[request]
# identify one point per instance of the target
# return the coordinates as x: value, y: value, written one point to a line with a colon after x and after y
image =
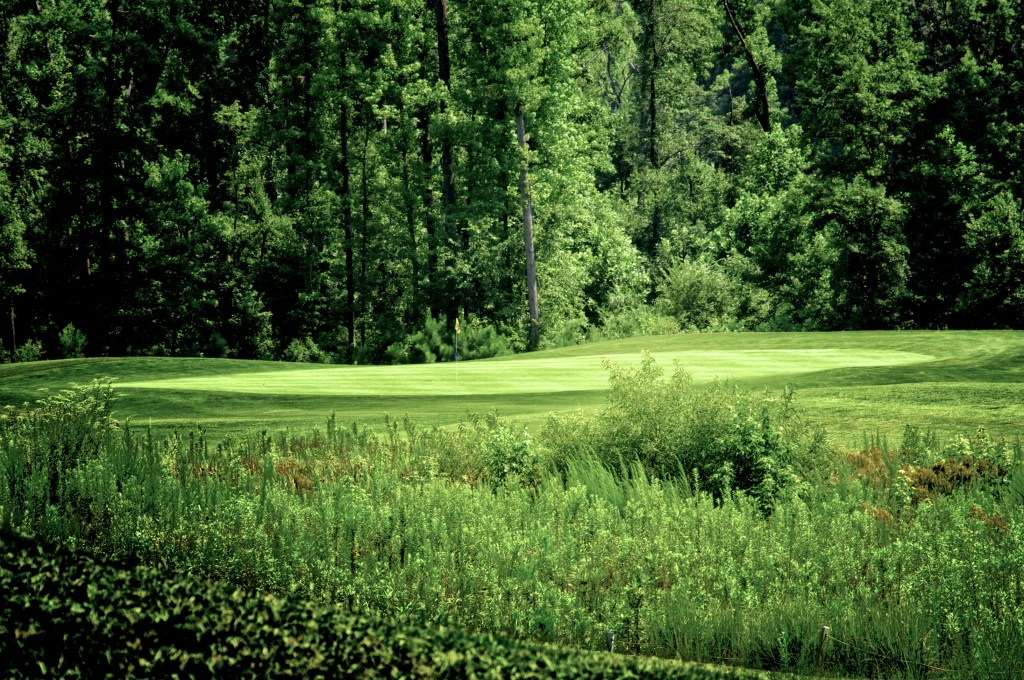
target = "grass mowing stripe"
x: 530, y: 375
x: 851, y: 381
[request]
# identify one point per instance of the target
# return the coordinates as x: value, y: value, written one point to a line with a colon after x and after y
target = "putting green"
x: 851, y: 382
x: 526, y: 376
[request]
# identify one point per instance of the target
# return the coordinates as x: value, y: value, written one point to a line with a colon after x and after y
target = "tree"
x: 994, y: 294
x: 14, y: 254
x: 861, y: 88
x: 869, y: 276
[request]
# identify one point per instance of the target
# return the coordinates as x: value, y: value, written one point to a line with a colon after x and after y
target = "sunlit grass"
x: 850, y: 382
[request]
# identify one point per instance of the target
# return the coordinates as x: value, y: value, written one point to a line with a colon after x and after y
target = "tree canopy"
x: 331, y: 179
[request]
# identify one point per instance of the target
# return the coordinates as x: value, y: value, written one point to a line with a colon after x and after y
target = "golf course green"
x: 853, y: 383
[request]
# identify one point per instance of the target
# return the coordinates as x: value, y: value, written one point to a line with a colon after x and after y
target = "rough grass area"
x: 853, y: 382
x: 696, y: 521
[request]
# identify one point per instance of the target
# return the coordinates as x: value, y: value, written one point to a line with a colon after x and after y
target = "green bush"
x: 716, y: 436
x: 71, y: 342
x: 32, y: 350
x: 41, y: 446
x: 436, y: 342
x: 306, y: 351
x: 512, y: 458
x: 632, y: 322
x: 70, y: 613
x: 699, y: 294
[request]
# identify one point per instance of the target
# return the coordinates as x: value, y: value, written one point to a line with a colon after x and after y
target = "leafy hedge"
x: 69, y: 613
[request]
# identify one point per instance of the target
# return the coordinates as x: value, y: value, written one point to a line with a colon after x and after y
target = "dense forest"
x: 338, y: 180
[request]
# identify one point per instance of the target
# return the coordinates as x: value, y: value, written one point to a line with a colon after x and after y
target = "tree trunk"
x: 346, y: 202
x: 760, y: 82
x: 441, y: 302
x: 14, y: 339
x: 648, y: 120
x: 410, y: 221
x: 531, y: 267
x: 429, y: 218
x: 365, y: 191
x: 346, y: 217
x: 444, y: 72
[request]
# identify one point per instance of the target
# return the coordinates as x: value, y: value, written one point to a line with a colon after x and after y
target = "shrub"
x: 71, y: 342
x: 512, y: 458
x: 72, y: 613
x: 306, y: 351
x: 632, y: 322
x: 436, y: 342
x: 716, y: 436
x: 32, y: 350
x: 39, y: 446
x: 699, y: 294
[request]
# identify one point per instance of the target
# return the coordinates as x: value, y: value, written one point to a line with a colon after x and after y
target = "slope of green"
x: 852, y: 382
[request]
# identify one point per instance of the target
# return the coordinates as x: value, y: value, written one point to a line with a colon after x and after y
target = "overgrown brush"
x: 714, y: 437
x: 469, y: 527
x: 69, y: 614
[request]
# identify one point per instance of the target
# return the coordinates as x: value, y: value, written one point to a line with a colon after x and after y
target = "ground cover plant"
x: 909, y: 553
x: 72, y: 614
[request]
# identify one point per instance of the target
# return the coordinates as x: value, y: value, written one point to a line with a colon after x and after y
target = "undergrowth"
x: 560, y: 538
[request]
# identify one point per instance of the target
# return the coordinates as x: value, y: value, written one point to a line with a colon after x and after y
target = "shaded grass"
x: 852, y: 382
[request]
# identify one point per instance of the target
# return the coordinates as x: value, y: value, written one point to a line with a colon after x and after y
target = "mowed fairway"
x: 853, y: 383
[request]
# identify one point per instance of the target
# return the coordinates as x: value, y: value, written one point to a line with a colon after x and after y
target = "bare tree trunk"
x: 365, y: 190
x: 429, y: 218
x: 346, y: 218
x: 760, y: 82
x: 531, y: 267
x: 447, y: 304
x: 14, y: 338
x: 444, y: 72
x: 410, y: 221
x: 346, y: 204
x: 648, y: 119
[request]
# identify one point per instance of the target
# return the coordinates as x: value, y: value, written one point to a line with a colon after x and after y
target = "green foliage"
x: 306, y: 351
x: 699, y: 295
x: 432, y: 343
x: 639, y: 320
x: 512, y: 458
x: 359, y: 170
x: 869, y: 275
x: 861, y: 84
x: 994, y: 295
x: 43, y: 445
x: 716, y: 437
x: 436, y: 342
x: 96, y: 616
x: 401, y: 522
x: 32, y: 350
x: 71, y: 342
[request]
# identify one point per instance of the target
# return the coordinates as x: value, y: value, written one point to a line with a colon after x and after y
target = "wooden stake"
x: 825, y: 630
x: 14, y: 339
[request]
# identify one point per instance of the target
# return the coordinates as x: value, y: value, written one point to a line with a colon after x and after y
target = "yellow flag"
x: 457, y: 331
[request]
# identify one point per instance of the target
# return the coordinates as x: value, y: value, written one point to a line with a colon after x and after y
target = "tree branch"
x: 760, y: 83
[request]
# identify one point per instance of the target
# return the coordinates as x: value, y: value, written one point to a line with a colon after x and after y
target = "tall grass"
x: 471, y: 527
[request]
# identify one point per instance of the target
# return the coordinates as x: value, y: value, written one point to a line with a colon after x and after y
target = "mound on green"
x: 72, y: 614
x: 852, y: 382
